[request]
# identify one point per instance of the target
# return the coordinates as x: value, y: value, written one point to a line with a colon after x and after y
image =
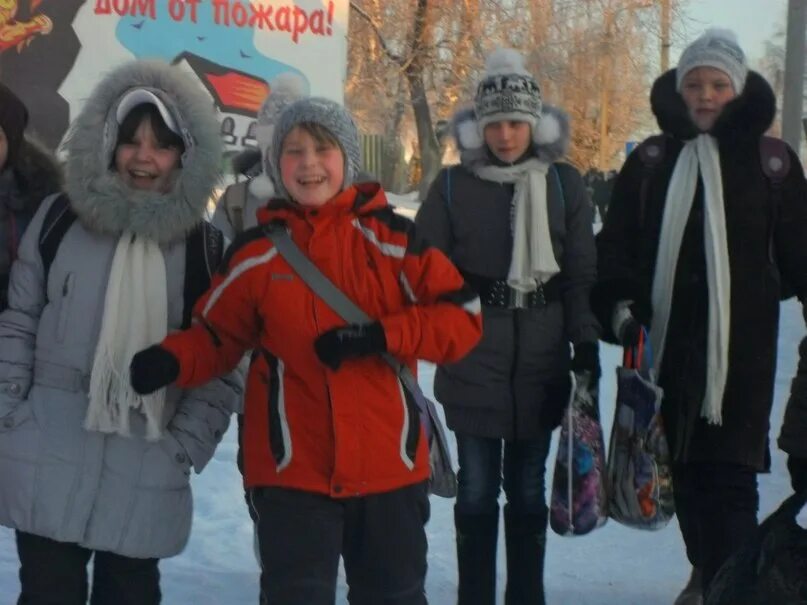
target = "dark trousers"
x: 482, y: 469
x: 381, y: 539
x: 55, y: 573
x: 716, y: 504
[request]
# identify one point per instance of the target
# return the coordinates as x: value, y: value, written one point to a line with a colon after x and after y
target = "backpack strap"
x: 556, y: 172
x: 651, y: 152
x: 235, y: 201
x: 775, y: 163
x: 59, y: 218
x: 204, y: 248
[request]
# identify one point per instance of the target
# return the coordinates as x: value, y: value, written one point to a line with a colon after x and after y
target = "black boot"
x: 476, y: 557
x: 525, y: 538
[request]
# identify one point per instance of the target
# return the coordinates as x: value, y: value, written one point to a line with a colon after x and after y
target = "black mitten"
x: 798, y: 473
x: 587, y: 358
x: 355, y: 340
x: 152, y: 369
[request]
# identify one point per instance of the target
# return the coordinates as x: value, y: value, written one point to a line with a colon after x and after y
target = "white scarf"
x: 700, y: 154
x: 135, y: 316
x: 533, y: 260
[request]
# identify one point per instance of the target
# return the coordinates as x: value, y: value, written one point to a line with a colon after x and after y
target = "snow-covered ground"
x: 614, y: 565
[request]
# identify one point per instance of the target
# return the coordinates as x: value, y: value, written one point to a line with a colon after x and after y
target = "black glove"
x: 587, y: 358
x: 152, y: 369
x: 355, y: 340
x: 798, y: 473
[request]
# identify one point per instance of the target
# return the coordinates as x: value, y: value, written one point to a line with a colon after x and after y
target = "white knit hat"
x: 716, y: 48
x: 284, y: 90
x: 507, y: 91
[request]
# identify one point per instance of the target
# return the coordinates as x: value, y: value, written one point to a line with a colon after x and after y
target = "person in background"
x: 517, y: 222
x: 697, y: 250
x: 237, y: 207
x: 96, y: 470
x: 28, y: 174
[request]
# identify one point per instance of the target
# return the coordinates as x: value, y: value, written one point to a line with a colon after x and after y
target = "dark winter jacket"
x: 34, y: 176
x: 627, y: 248
x: 514, y: 384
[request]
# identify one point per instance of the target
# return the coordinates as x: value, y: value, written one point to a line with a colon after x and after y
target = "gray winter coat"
x: 514, y: 384
x: 104, y: 491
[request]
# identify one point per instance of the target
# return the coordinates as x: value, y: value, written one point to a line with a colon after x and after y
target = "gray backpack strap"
x: 333, y: 296
x: 235, y: 201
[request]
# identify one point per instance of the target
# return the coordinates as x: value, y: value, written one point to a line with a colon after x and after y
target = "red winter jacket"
x: 348, y: 432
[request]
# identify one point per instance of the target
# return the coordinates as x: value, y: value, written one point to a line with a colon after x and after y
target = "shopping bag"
x: 770, y: 569
x: 579, y: 502
x: 639, y: 474
x: 443, y: 479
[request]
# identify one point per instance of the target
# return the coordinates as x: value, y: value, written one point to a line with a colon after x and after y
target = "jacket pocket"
x: 64, y: 306
x: 279, y: 434
x: 13, y: 415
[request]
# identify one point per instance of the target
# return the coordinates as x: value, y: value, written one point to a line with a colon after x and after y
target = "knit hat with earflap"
x: 331, y: 116
x: 507, y: 91
x: 284, y: 90
x: 13, y: 120
x: 716, y: 48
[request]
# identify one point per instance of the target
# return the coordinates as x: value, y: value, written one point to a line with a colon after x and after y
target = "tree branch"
x: 377, y: 29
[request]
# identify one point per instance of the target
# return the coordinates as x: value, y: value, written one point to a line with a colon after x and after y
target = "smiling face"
x: 508, y: 140
x: 312, y: 166
x: 706, y: 91
x: 147, y: 153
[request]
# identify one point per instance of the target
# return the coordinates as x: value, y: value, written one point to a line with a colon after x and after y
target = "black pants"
x: 381, y: 539
x: 716, y: 505
x: 55, y: 573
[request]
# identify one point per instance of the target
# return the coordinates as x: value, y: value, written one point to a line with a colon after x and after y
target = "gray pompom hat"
x: 331, y: 116
x: 716, y: 48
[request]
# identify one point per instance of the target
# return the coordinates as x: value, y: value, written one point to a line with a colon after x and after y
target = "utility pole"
x: 794, y: 73
x: 665, y: 35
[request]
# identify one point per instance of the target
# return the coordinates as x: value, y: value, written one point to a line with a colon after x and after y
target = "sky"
x: 754, y: 22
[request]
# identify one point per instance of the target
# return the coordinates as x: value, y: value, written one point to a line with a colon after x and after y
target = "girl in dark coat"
x: 696, y: 246
x: 518, y: 223
x: 27, y: 175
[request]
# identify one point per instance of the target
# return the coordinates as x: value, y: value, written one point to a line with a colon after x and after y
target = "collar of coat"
x: 550, y: 139
x: 358, y: 199
x: 749, y: 115
x: 101, y: 200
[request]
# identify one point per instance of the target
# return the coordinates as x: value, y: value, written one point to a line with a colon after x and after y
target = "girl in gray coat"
x: 87, y: 467
x: 518, y: 224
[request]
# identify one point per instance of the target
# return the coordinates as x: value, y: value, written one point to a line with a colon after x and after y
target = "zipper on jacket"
x: 64, y: 306
x: 516, y: 342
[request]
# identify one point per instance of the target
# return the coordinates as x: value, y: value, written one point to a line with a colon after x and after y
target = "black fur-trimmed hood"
x: 550, y: 138
x: 100, y: 199
x: 749, y: 115
x: 36, y: 175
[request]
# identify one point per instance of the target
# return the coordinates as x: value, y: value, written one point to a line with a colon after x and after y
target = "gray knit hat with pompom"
x: 330, y: 115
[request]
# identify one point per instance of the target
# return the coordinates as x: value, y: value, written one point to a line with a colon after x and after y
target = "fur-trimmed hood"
x: 749, y: 115
x: 36, y: 174
x: 550, y: 138
x: 100, y: 199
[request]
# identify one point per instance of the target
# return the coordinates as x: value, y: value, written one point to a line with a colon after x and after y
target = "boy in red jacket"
x: 335, y: 455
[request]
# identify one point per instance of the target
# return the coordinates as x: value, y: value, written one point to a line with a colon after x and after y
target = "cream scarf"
x: 135, y: 316
x: 698, y: 155
x: 533, y: 260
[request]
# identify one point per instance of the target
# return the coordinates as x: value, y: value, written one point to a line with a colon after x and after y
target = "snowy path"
x: 612, y: 566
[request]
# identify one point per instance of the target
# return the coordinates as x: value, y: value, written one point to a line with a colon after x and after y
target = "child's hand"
x: 356, y: 340
x: 152, y: 369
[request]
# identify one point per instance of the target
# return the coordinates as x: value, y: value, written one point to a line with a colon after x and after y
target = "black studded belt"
x: 496, y: 293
